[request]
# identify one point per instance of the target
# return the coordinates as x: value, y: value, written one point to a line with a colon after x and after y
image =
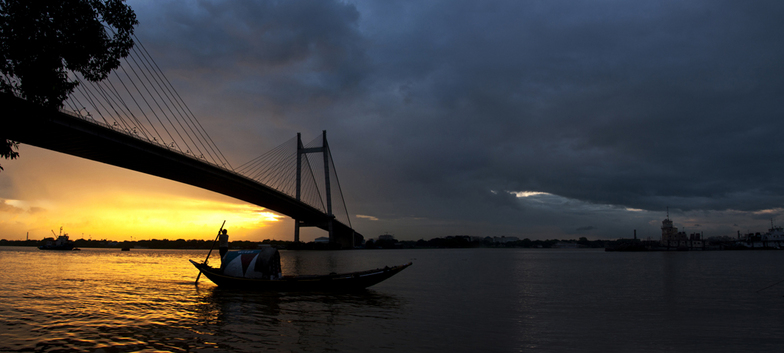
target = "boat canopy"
x: 263, y: 263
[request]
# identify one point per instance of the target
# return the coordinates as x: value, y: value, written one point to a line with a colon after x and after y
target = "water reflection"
x: 103, y: 300
x: 450, y: 300
x: 310, y: 263
x: 220, y: 306
x: 247, y: 320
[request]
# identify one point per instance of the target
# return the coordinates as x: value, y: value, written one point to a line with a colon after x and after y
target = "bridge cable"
x: 96, y: 98
x: 163, y: 98
x: 128, y: 111
x: 337, y: 182
x: 148, y: 104
x: 74, y: 105
x: 274, y: 165
x: 259, y: 162
x: 263, y: 156
x: 138, y: 106
x: 177, y: 132
x: 102, y: 101
x: 314, y: 189
x: 189, y: 122
x: 266, y: 170
x: 183, y: 103
x: 281, y: 173
x: 92, y: 103
x: 144, y: 70
x: 113, y: 104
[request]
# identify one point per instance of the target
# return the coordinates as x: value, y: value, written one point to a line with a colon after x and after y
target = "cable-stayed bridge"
x: 136, y: 120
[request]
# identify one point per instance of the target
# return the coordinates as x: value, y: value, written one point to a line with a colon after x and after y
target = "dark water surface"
x: 473, y: 300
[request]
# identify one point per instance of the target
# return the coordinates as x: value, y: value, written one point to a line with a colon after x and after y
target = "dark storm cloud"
x: 616, y: 102
x: 264, y: 65
x: 436, y: 109
x: 258, y: 36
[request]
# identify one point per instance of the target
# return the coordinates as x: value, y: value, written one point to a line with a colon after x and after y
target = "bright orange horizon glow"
x: 43, y: 190
x: 127, y: 216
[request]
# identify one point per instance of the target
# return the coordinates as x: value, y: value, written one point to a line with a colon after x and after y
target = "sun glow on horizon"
x: 120, y: 216
x: 97, y: 201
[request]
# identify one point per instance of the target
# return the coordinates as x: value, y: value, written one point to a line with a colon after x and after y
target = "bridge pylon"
x: 324, y: 149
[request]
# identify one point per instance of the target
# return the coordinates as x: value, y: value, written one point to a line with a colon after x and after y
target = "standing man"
x: 224, y: 244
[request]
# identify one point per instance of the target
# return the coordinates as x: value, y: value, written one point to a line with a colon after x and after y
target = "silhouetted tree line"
x: 4, y: 242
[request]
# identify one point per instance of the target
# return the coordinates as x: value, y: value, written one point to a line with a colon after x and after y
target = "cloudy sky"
x: 538, y: 119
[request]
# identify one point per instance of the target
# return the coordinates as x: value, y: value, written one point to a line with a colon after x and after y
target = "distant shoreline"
x: 435, y: 243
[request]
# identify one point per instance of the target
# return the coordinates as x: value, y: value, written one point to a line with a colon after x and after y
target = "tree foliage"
x: 41, y: 41
x: 8, y: 150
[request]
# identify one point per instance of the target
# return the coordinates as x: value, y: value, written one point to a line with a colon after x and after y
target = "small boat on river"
x: 260, y: 270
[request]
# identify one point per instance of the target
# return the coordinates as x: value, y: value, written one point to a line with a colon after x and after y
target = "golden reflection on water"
x: 147, y: 299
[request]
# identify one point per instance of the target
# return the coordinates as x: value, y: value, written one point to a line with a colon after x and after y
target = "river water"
x: 450, y: 300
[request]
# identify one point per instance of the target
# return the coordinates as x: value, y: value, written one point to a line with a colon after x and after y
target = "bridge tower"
x: 324, y: 149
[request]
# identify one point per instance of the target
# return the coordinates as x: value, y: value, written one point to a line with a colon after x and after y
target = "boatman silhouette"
x: 224, y: 244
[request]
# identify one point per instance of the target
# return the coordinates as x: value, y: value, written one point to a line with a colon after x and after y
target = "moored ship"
x: 61, y: 243
x: 773, y: 239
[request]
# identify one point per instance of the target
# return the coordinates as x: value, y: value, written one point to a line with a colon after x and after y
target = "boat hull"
x: 332, y: 282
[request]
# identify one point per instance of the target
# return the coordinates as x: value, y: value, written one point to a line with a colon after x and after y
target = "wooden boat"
x: 330, y: 282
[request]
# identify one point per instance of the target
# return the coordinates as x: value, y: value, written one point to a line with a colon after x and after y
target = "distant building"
x: 672, y: 238
x: 504, y: 239
x: 386, y: 237
x: 321, y: 240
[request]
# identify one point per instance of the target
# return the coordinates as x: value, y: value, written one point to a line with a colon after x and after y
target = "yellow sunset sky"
x: 94, y: 200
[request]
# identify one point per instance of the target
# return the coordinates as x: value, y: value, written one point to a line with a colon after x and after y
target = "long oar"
x: 211, y: 247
